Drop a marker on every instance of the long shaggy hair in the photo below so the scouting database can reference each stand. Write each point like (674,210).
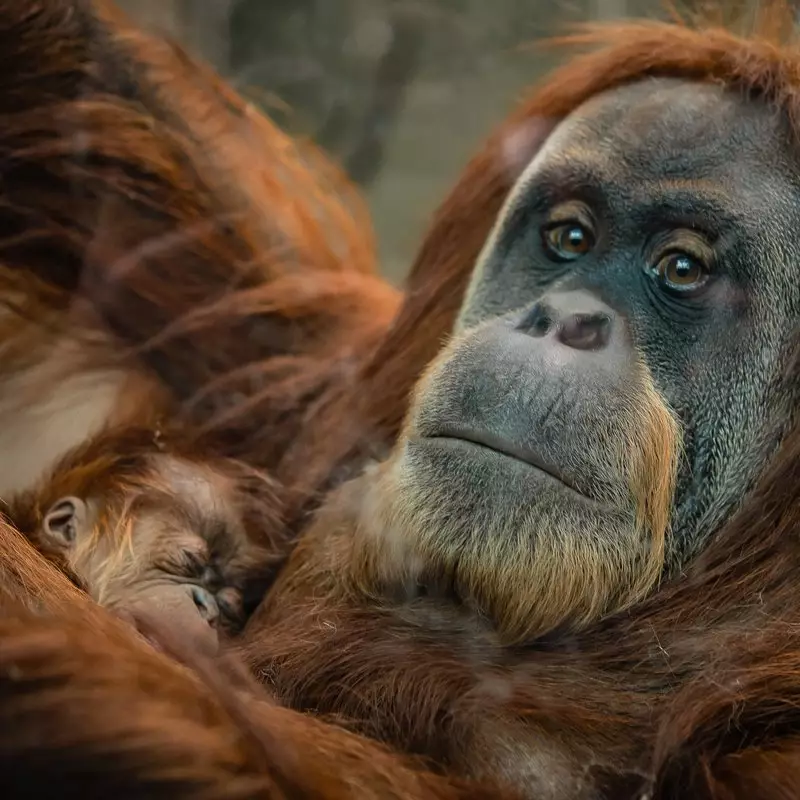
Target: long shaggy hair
(142,198)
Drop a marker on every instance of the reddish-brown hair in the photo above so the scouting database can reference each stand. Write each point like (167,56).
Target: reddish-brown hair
(143,199)
(259,313)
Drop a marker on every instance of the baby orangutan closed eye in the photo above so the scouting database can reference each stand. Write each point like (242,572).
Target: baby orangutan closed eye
(160,539)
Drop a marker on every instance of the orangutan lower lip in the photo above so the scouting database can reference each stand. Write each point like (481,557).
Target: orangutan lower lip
(508,449)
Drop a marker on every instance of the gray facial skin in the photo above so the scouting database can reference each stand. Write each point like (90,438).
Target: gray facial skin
(520,429)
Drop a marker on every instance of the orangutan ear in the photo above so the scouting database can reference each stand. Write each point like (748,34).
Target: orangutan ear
(65,520)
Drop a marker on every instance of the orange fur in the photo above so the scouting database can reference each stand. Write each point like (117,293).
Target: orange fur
(267,332)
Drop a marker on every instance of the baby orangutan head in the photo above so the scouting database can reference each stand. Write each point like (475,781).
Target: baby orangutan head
(162,540)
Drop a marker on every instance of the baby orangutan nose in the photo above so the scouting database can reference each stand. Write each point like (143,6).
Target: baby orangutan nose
(206,605)
(577,320)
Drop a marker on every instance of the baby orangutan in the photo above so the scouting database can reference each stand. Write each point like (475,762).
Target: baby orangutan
(159,536)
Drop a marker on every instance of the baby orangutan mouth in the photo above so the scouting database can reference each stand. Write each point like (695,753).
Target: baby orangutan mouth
(188,612)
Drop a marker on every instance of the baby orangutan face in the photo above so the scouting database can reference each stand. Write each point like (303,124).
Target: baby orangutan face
(170,550)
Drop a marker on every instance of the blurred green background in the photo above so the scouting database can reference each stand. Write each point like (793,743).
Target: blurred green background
(400,92)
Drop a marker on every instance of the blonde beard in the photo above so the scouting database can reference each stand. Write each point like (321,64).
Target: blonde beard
(526,553)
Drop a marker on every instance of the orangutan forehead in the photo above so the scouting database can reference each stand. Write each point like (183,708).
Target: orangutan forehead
(200,488)
(669,128)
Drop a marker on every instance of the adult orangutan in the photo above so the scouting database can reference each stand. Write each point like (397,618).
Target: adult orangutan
(574,573)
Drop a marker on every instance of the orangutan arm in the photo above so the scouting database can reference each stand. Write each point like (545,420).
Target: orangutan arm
(89,707)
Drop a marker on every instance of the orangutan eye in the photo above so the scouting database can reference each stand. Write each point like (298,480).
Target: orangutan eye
(568,241)
(680,273)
